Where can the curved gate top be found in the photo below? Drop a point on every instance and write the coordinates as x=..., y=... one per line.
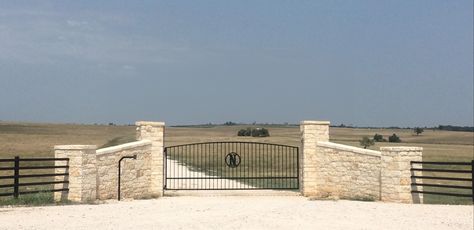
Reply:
x=231, y=166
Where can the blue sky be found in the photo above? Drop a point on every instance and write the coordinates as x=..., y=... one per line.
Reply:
x=377, y=63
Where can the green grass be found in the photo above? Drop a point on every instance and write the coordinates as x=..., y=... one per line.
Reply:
x=35, y=199
x=29, y=200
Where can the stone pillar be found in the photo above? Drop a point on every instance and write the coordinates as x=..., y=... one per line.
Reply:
x=311, y=133
x=154, y=131
x=82, y=173
x=396, y=175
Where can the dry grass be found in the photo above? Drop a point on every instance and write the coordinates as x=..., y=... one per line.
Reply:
x=37, y=140
x=29, y=139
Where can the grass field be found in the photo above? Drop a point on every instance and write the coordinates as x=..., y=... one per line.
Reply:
x=37, y=140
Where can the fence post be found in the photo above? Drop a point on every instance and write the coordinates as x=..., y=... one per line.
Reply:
x=16, y=179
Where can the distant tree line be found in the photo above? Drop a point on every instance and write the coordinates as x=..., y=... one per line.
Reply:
x=456, y=128
x=439, y=127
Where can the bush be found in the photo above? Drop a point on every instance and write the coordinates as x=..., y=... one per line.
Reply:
x=241, y=133
x=418, y=130
x=254, y=132
x=394, y=138
x=378, y=138
x=366, y=142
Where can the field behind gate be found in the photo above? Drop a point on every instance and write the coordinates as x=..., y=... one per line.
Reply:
x=36, y=140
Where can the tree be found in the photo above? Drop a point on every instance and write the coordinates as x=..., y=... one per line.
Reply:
x=394, y=138
x=418, y=130
x=378, y=138
x=366, y=142
x=229, y=123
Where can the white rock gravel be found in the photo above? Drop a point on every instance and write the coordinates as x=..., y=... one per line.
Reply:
x=239, y=212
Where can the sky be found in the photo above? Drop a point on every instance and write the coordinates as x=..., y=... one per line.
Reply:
x=364, y=63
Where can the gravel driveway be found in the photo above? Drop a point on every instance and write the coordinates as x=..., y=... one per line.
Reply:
x=239, y=212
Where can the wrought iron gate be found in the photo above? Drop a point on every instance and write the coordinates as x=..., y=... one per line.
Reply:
x=231, y=166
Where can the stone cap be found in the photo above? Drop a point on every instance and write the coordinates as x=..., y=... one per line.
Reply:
x=349, y=148
x=401, y=149
x=75, y=147
x=315, y=123
x=149, y=123
x=118, y=148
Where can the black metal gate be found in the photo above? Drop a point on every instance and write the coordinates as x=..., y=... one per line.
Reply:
x=231, y=166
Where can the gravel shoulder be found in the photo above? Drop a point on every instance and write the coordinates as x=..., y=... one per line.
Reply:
x=238, y=212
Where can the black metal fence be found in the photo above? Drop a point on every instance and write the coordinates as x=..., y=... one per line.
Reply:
x=231, y=166
x=12, y=174
x=457, y=176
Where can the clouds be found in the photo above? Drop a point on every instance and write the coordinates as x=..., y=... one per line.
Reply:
x=90, y=40
x=180, y=61
x=74, y=23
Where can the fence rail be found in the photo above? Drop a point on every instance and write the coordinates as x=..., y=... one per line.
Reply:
x=444, y=178
x=16, y=170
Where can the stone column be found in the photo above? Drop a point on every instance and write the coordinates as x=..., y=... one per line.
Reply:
x=311, y=133
x=82, y=173
x=154, y=131
x=396, y=175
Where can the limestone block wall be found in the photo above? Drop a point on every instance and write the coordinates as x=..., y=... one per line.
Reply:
x=82, y=173
x=93, y=174
x=347, y=172
x=154, y=131
x=340, y=171
x=311, y=133
x=135, y=173
x=396, y=174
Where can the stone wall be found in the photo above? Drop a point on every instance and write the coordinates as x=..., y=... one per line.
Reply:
x=82, y=173
x=154, y=131
x=93, y=174
x=330, y=170
x=135, y=173
x=327, y=170
x=311, y=133
x=347, y=172
x=396, y=174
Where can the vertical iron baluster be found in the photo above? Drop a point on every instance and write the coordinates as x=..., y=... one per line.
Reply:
x=224, y=181
x=280, y=168
x=175, y=152
x=260, y=166
x=267, y=164
x=215, y=165
x=195, y=162
x=271, y=165
x=164, y=169
x=297, y=169
x=234, y=170
x=241, y=165
x=199, y=169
